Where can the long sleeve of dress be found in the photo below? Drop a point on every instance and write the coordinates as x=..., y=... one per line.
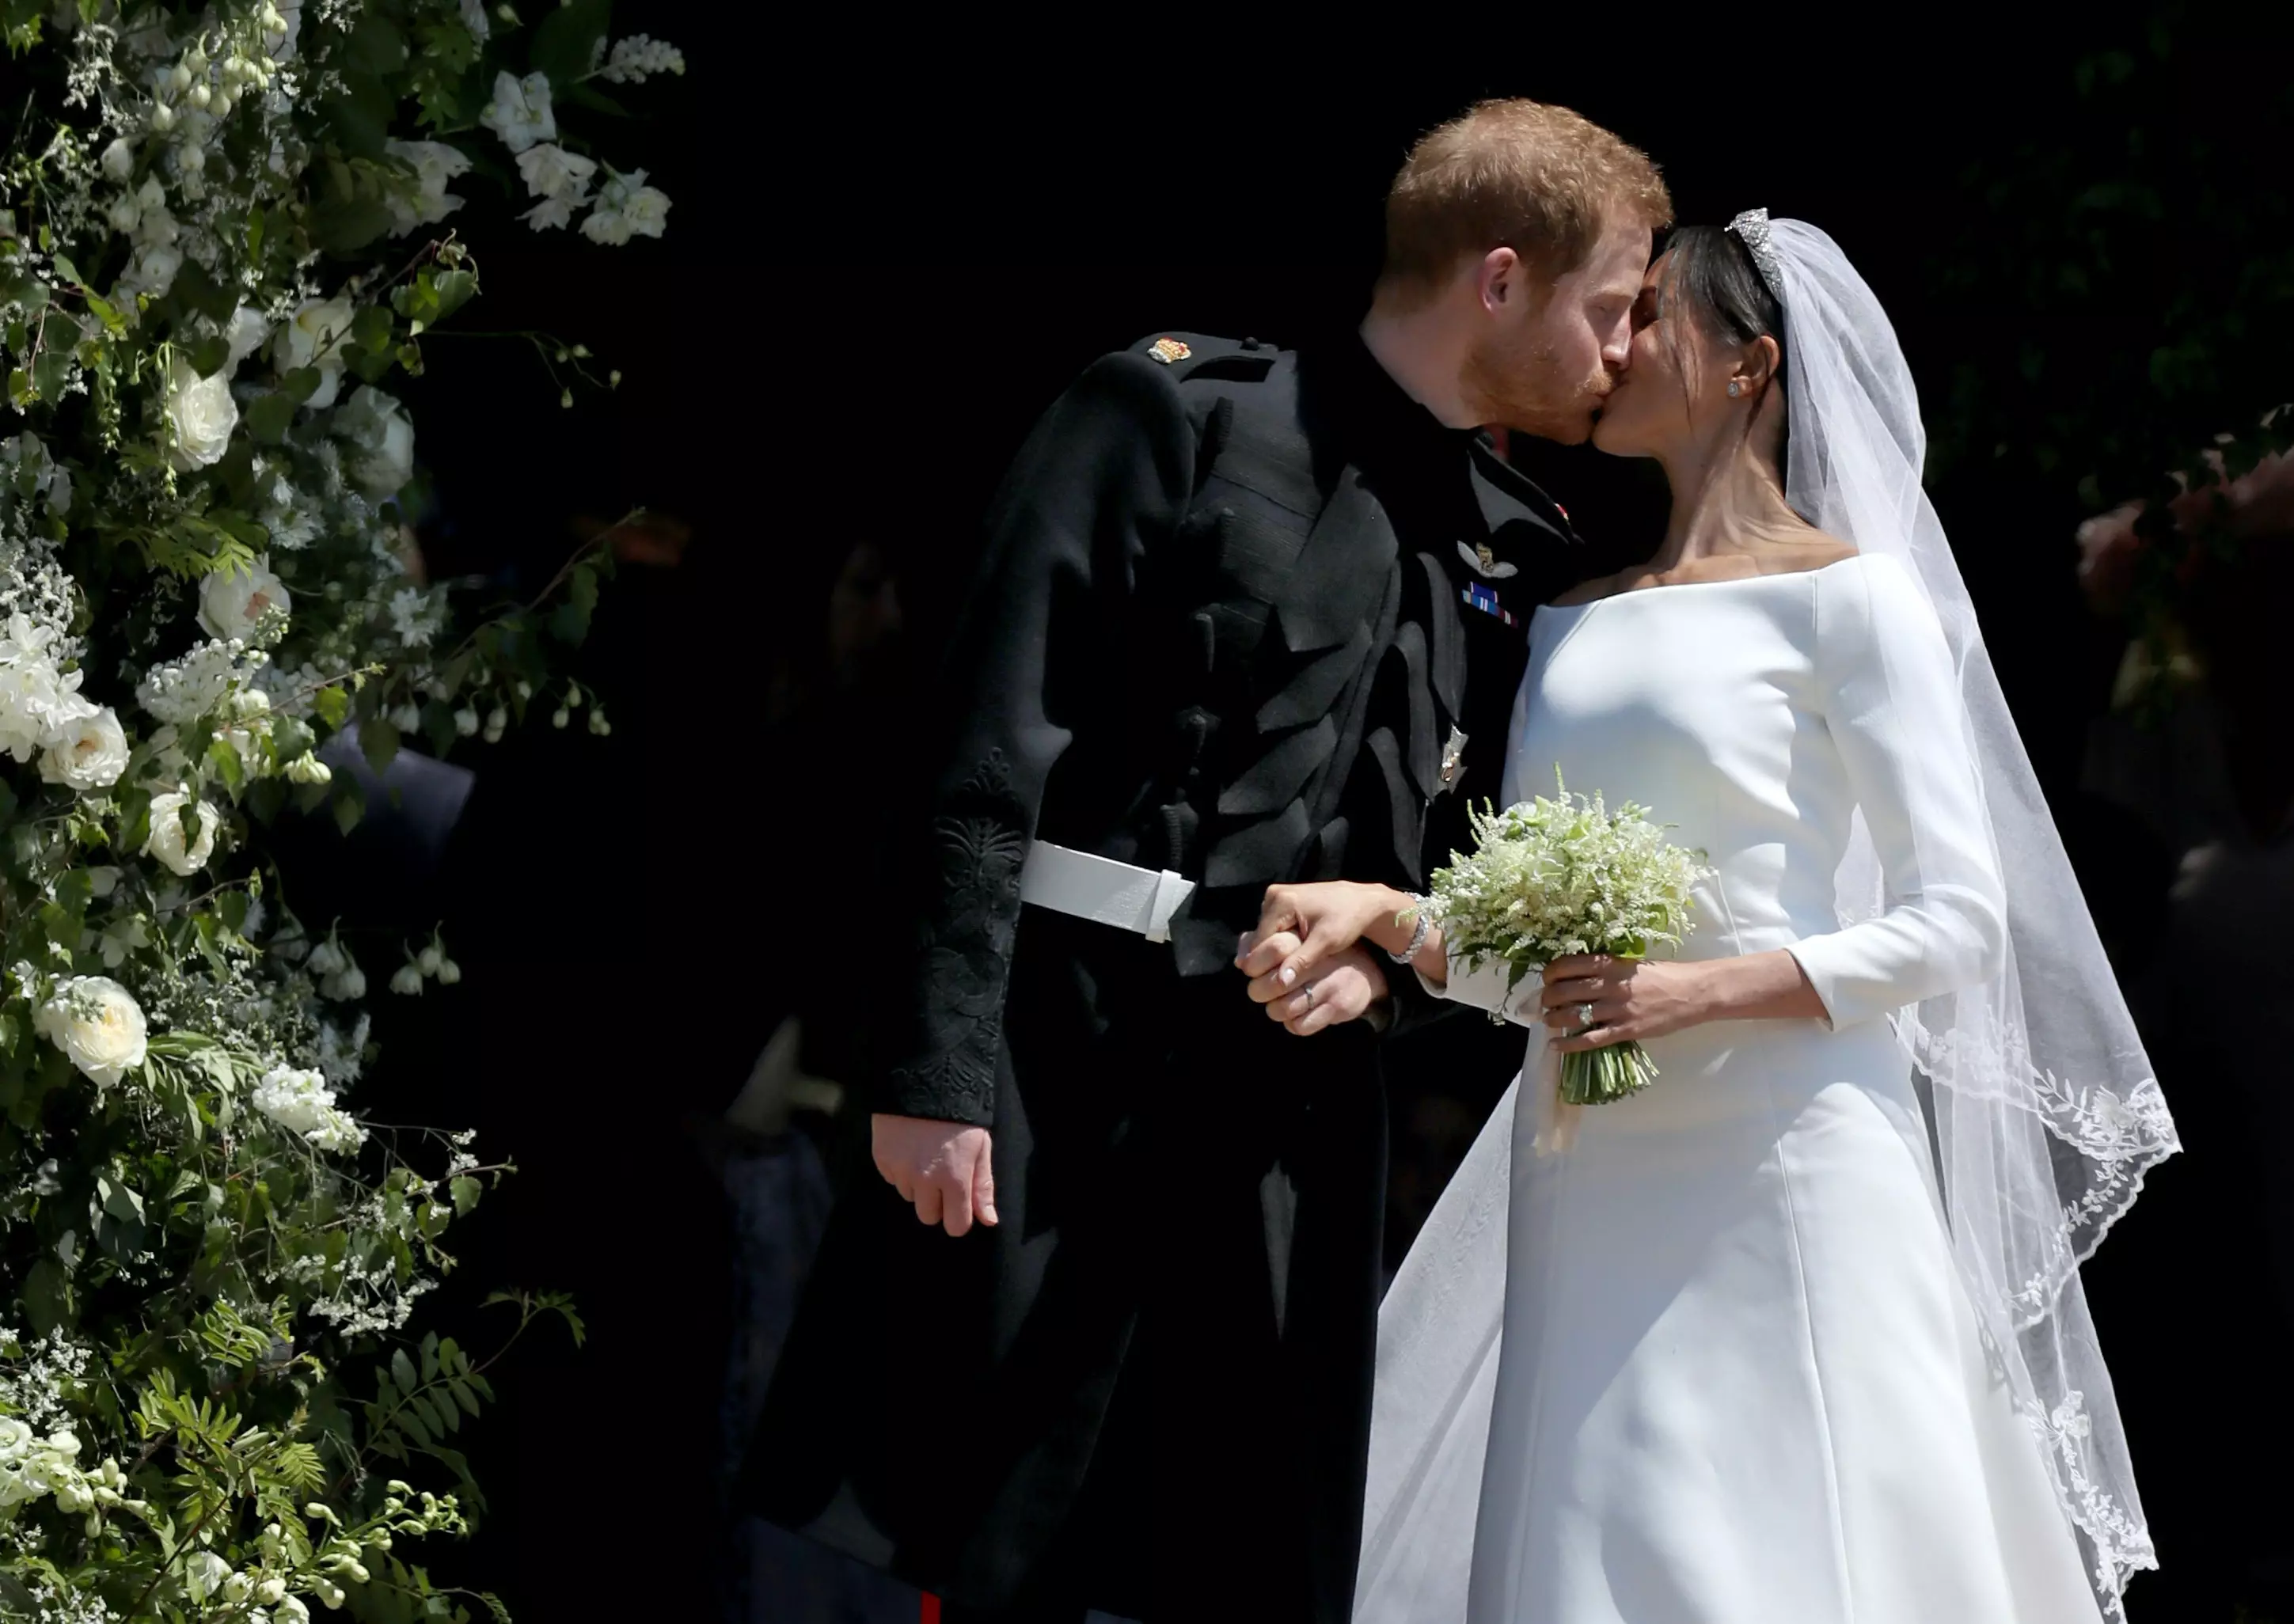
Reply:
x=1892, y=703
x=1483, y=988
x=1035, y=660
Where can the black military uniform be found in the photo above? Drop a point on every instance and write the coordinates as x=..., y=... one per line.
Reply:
x=1238, y=605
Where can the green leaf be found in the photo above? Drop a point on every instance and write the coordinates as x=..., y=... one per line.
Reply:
x=333, y=704
x=254, y=221
x=371, y=328
x=455, y=289
x=379, y=742
x=402, y=1369
x=463, y=1396
x=465, y=1191
x=567, y=37
x=68, y=274
x=344, y=227
x=269, y=416
x=350, y=802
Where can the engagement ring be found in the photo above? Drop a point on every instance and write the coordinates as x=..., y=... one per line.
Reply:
x=1585, y=1016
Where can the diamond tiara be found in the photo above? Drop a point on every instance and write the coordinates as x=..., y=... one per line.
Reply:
x=1752, y=226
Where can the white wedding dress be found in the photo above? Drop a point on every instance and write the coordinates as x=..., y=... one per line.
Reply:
x=1738, y=1379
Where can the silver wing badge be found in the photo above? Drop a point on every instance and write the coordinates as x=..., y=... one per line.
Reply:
x=1453, y=760
x=1484, y=563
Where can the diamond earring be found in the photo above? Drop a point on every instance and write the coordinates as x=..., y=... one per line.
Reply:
x=1735, y=389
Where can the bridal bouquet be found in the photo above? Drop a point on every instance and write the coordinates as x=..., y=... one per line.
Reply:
x=1552, y=878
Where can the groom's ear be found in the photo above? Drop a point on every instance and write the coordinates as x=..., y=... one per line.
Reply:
x=1500, y=281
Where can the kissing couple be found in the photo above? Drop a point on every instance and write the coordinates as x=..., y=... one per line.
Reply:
x=1796, y=1332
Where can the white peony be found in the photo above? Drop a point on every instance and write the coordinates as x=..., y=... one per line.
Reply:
x=381, y=457
x=88, y=749
x=98, y=1024
x=301, y=1102
x=185, y=854
x=520, y=111
x=315, y=335
x=200, y=416
x=233, y=603
x=425, y=203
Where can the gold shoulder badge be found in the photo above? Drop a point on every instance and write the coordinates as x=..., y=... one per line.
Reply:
x=1168, y=350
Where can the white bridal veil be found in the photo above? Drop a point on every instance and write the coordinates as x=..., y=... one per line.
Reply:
x=2045, y=1113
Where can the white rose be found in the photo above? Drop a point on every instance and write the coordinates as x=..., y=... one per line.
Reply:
x=520, y=111
x=233, y=602
x=426, y=203
x=315, y=335
x=89, y=749
x=382, y=441
x=15, y=1439
x=30, y=691
x=95, y=1020
x=186, y=855
x=301, y=1102
x=550, y=171
x=200, y=415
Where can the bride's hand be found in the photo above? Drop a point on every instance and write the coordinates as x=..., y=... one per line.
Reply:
x=1628, y=999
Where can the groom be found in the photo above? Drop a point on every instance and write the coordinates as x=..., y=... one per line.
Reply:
x=1101, y=1333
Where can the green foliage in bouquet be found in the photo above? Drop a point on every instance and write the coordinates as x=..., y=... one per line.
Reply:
x=1560, y=877
x=215, y=252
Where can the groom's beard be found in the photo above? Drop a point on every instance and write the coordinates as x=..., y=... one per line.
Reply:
x=1517, y=382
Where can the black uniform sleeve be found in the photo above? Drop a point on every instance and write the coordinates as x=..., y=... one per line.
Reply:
x=1106, y=474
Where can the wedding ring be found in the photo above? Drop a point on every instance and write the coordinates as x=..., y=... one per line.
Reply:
x=1584, y=1018
x=1310, y=990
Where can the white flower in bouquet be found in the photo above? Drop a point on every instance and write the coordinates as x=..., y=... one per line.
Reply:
x=204, y=1573
x=186, y=852
x=520, y=112
x=200, y=416
x=87, y=749
x=426, y=202
x=188, y=689
x=97, y=1024
x=381, y=456
x=301, y=1102
x=233, y=603
x=560, y=179
x=315, y=336
x=119, y=160
x=1553, y=879
x=31, y=691
x=31, y=1467
x=626, y=207
x=475, y=19
x=246, y=333
x=638, y=56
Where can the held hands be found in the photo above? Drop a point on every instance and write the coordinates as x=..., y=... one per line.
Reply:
x=1313, y=922
x=941, y=1168
x=1345, y=986
x=1627, y=999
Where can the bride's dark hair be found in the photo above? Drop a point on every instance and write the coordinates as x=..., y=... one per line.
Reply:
x=1711, y=271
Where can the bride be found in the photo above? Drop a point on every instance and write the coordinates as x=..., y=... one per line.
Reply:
x=1796, y=1333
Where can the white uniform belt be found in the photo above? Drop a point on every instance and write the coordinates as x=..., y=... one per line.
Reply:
x=1099, y=888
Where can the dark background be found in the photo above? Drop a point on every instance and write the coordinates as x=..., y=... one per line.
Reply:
x=892, y=244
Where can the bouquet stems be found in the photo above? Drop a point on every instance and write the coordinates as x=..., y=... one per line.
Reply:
x=1599, y=1076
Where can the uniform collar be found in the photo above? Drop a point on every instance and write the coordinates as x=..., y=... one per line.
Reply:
x=1377, y=418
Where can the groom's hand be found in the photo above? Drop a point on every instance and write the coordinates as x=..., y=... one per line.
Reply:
x=941, y=1168
x=1344, y=986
